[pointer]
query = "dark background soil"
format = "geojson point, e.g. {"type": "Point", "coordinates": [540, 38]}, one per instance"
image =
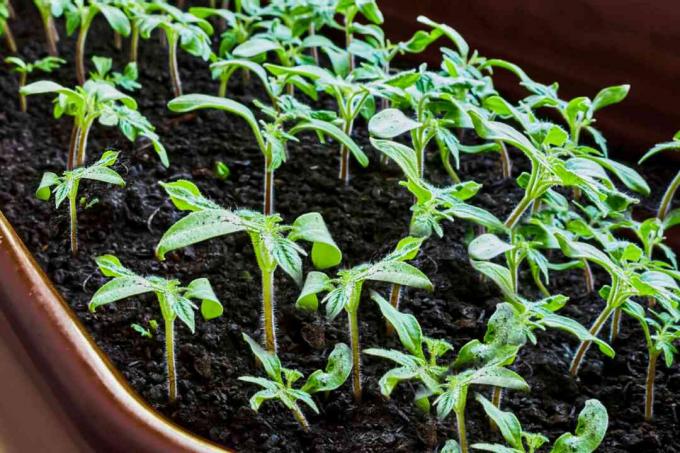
{"type": "Point", "coordinates": [366, 219]}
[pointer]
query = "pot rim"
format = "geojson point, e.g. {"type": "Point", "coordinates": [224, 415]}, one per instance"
{"type": "Point", "coordinates": [92, 392]}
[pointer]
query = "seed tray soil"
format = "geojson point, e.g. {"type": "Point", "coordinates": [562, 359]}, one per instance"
{"type": "Point", "coordinates": [366, 219]}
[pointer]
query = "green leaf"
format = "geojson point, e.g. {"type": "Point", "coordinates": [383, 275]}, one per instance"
{"type": "Point", "coordinates": [453, 35]}
{"type": "Point", "coordinates": [337, 371]}
{"type": "Point", "coordinates": [406, 325]}
{"type": "Point", "coordinates": [400, 273]}
{"type": "Point", "coordinates": [629, 177]}
{"type": "Point", "coordinates": [287, 255]}
{"type": "Point", "coordinates": [370, 10]}
{"type": "Point", "coordinates": [451, 446]}
{"type": "Point", "coordinates": [116, 18]}
{"type": "Point", "coordinates": [201, 289]}
{"type": "Point", "coordinates": [48, 180]}
{"type": "Point", "coordinates": [186, 196]}
{"type": "Point", "coordinates": [573, 327]}
{"type": "Point", "coordinates": [590, 430]}
{"type": "Point", "coordinates": [402, 155]}
{"type": "Point", "coordinates": [270, 362]}
{"type": "Point", "coordinates": [43, 86]}
{"type": "Point", "coordinates": [477, 215]}
{"type": "Point", "coordinates": [260, 397]}
{"type": "Point", "coordinates": [667, 146]}
{"type": "Point", "coordinates": [487, 246]}
{"type": "Point", "coordinates": [197, 227]}
{"type": "Point", "coordinates": [312, 228]}
{"type": "Point", "coordinates": [499, 377]}
{"type": "Point", "coordinates": [110, 266]}
{"type": "Point", "coordinates": [315, 283]}
{"type": "Point", "coordinates": [191, 102]}
{"type": "Point", "coordinates": [609, 96]}
{"type": "Point", "coordinates": [256, 46]}
{"type": "Point", "coordinates": [507, 423]}
{"type": "Point", "coordinates": [251, 66]}
{"type": "Point", "coordinates": [499, 275]}
{"type": "Point", "coordinates": [117, 289]}
{"type": "Point", "coordinates": [391, 123]}
{"type": "Point", "coordinates": [184, 309]}
{"type": "Point", "coordinates": [326, 128]}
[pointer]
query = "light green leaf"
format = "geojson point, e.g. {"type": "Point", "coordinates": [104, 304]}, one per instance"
{"type": "Point", "coordinates": [337, 371]}
{"type": "Point", "coordinates": [270, 362]}
{"type": "Point", "coordinates": [312, 228]}
{"type": "Point", "coordinates": [315, 283]}
{"type": "Point", "coordinates": [590, 431]}
{"type": "Point", "coordinates": [201, 289]}
{"type": "Point", "coordinates": [197, 227]}
{"type": "Point", "coordinates": [326, 128]}
{"type": "Point", "coordinates": [406, 325]}
{"type": "Point", "coordinates": [487, 246]}
{"type": "Point", "coordinates": [391, 123]}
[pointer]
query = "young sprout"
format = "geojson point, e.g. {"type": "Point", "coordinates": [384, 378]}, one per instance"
{"type": "Point", "coordinates": [432, 205]}
{"type": "Point", "coordinates": [274, 244]}
{"type": "Point", "coordinates": [66, 187]}
{"type": "Point", "coordinates": [352, 96]}
{"type": "Point", "coordinates": [48, 9]}
{"type": "Point", "coordinates": [513, 324]}
{"type": "Point", "coordinates": [593, 421]}
{"type": "Point", "coordinates": [80, 14]}
{"type": "Point", "coordinates": [181, 29]}
{"type": "Point", "coordinates": [551, 167]}
{"type": "Point", "coordinates": [421, 361]}
{"type": "Point", "coordinates": [175, 301]}
{"type": "Point", "coordinates": [344, 292]}
{"type": "Point", "coordinates": [667, 199]}
{"type": "Point", "coordinates": [4, 26]}
{"type": "Point", "coordinates": [279, 384]}
{"type": "Point", "coordinates": [631, 275]}
{"type": "Point", "coordinates": [453, 393]}
{"type": "Point", "coordinates": [97, 100]}
{"type": "Point", "coordinates": [146, 332]}
{"type": "Point", "coordinates": [661, 331]}
{"type": "Point", "coordinates": [241, 24]}
{"type": "Point", "coordinates": [127, 80]}
{"type": "Point", "coordinates": [349, 10]}
{"type": "Point", "coordinates": [285, 119]}
{"type": "Point", "coordinates": [47, 64]}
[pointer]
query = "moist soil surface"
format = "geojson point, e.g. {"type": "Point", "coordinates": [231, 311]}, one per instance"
{"type": "Point", "coordinates": [366, 218]}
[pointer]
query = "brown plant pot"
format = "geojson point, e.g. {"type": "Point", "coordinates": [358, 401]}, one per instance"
{"type": "Point", "coordinates": [67, 396]}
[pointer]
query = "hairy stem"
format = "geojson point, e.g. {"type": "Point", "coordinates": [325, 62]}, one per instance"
{"type": "Point", "coordinates": [300, 417]}
{"type": "Point", "coordinates": [585, 345]}
{"type": "Point", "coordinates": [352, 317]}
{"type": "Point", "coordinates": [314, 50]}
{"type": "Point", "coordinates": [344, 155]}
{"type": "Point", "coordinates": [616, 326]}
{"type": "Point", "coordinates": [73, 218]}
{"type": "Point", "coordinates": [170, 359]}
{"type": "Point", "coordinates": [222, 90]}
{"type": "Point", "coordinates": [134, 42]}
{"type": "Point", "coordinates": [172, 64]}
{"type": "Point", "coordinates": [588, 275]}
{"type": "Point", "coordinates": [80, 52]}
{"type": "Point", "coordinates": [268, 311]}
{"type": "Point", "coordinates": [117, 40]}
{"type": "Point", "coordinates": [73, 146]}
{"type": "Point", "coordinates": [395, 297]}
{"type": "Point", "coordinates": [519, 210]}
{"type": "Point", "coordinates": [22, 98]}
{"type": "Point", "coordinates": [649, 385]}
{"type": "Point", "coordinates": [496, 400]}
{"type": "Point", "coordinates": [506, 163]}
{"type": "Point", "coordinates": [9, 38]}
{"type": "Point", "coordinates": [665, 205]}
{"type": "Point", "coordinates": [268, 188]}
{"type": "Point", "coordinates": [82, 143]}
{"type": "Point", "coordinates": [51, 36]}
{"type": "Point", "coordinates": [462, 433]}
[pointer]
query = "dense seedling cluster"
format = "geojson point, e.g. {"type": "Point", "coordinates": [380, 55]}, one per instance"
{"type": "Point", "coordinates": [327, 67]}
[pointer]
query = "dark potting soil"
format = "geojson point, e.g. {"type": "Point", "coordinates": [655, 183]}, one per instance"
{"type": "Point", "coordinates": [366, 218]}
